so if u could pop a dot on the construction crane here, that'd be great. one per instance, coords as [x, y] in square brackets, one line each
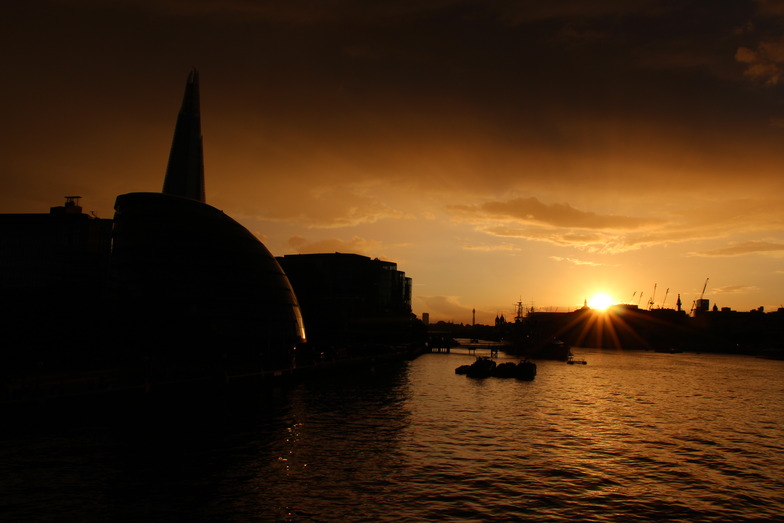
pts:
[694, 303]
[650, 302]
[665, 297]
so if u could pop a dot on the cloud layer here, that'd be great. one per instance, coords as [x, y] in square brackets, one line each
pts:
[454, 135]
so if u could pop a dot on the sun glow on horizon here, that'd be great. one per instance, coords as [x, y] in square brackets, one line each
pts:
[600, 301]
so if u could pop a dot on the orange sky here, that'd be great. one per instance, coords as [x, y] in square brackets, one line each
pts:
[496, 150]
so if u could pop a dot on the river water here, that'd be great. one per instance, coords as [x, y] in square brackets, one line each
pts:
[631, 436]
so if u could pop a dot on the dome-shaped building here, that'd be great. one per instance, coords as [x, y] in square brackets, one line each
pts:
[194, 290]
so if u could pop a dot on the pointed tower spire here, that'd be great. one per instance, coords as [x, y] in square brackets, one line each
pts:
[185, 171]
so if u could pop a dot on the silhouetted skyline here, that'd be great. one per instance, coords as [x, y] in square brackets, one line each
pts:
[495, 151]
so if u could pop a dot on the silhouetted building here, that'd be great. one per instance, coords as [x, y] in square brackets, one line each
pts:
[701, 305]
[185, 170]
[626, 326]
[190, 282]
[53, 270]
[620, 326]
[172, 292]
[349, 298]
[745, 332]
[49, 255]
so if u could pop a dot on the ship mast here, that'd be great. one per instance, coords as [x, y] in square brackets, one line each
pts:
[519, 313]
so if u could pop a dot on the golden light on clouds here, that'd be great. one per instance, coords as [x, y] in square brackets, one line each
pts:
[499, 150]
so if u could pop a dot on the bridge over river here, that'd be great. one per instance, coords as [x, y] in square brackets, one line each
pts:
[446, 344]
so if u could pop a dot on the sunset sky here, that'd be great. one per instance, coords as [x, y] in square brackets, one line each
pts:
[496, 150]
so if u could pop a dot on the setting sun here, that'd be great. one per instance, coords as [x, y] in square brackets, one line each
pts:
[600, 301]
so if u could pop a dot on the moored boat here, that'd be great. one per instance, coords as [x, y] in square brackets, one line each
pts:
[485, 367]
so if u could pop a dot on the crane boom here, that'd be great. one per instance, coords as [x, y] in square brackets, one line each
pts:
[704, 287]
[694, 303]
[651, 301]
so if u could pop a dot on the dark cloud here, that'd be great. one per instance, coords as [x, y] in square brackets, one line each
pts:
[733, 289]
[492, 248]
[765, 64]
[532, 211]
[474, 91]
[770, 7]
[742, 249]
[593, 241]
[330, 207]
[562, 224]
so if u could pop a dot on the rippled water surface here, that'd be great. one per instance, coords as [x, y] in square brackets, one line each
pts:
[630, 436]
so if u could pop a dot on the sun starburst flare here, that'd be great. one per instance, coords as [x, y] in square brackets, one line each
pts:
[600, 301]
